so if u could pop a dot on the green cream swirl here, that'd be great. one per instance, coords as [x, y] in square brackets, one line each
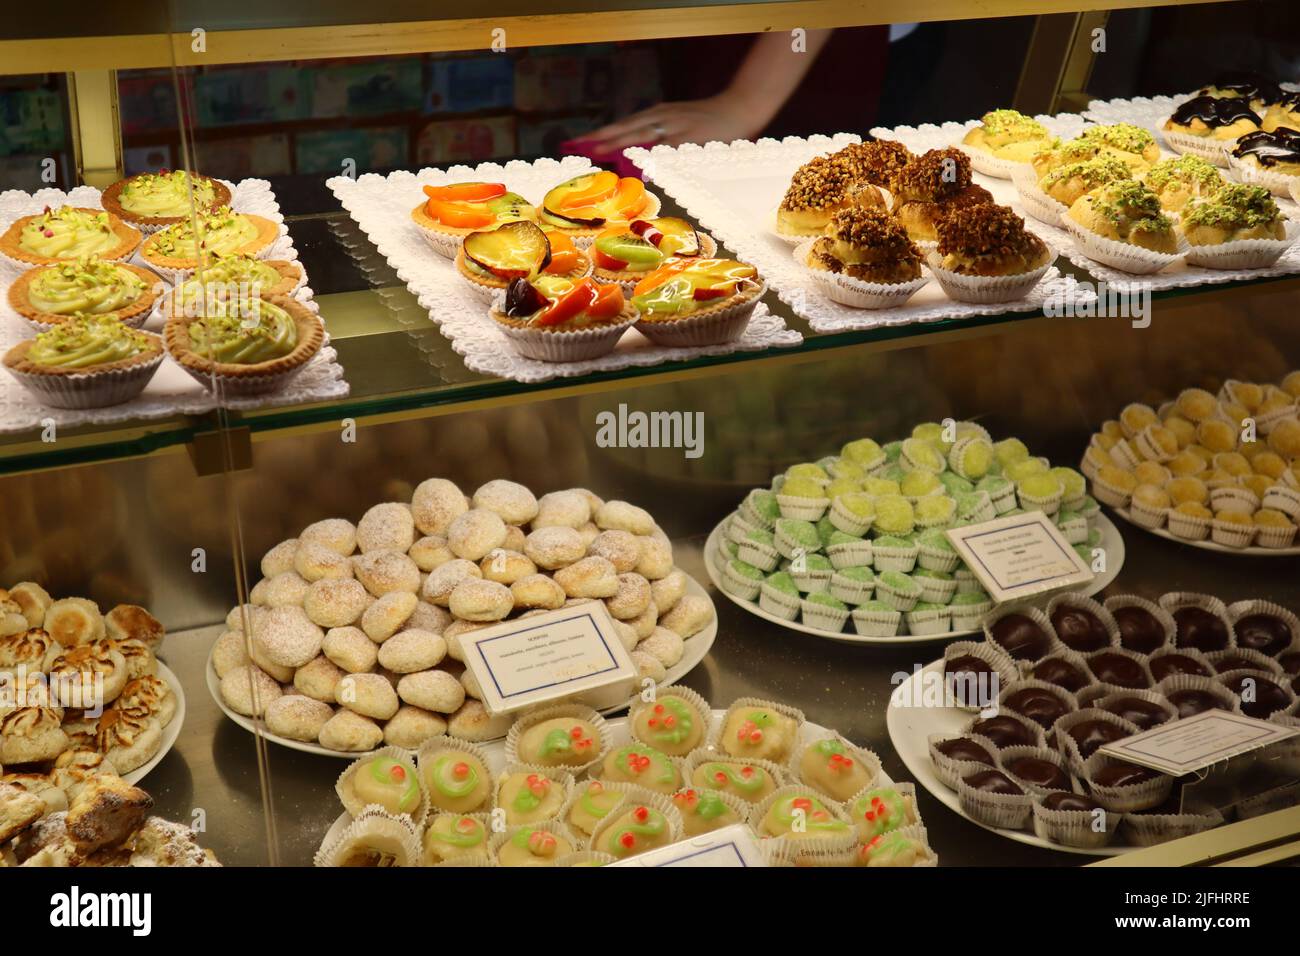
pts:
[90, 285]
[267, 332]
[68, 233]
[85, 342]
[165, 194]
[220, 232]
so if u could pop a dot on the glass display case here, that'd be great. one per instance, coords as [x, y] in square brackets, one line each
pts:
[701, 334]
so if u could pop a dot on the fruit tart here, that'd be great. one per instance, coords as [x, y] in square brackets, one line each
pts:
[818, 190]
[245, 346]
[695, 302]
[68, 233]
[1122, 225]
[236, 276]
[865, 260]
[551, 319]
[985, 254]
[1235, 213]
[220, 231]
[934, 185]
[153, 201]
[490, 260]
[586, 205]
[452, 212]
[86, 362]
[627, 253]
[1176, 181]
[1207, 126]
[1005, 137]
[48, 295]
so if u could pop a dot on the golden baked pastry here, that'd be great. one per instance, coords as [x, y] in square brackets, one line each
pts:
[68, 233]
[1128, 212]
[87, 286]
[989, 240]
[1175, 181]
[1234, 212]
[1009, 135]
[219, 232]
[874, 161]
[818, 190]
[1067, 183]
[932, 186]
[1211, 117]
[867, 244]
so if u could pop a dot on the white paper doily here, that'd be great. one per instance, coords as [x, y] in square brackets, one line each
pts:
[171, 391]
[381, 206]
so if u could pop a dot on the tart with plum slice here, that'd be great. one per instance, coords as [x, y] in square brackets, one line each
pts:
[586, 205]
[68, 233]
[451, 212]
[48, 295]
[552, 319]
[627, 253]
[697, 302]
[491, 259]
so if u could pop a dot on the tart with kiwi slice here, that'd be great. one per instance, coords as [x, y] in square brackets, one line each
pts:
[245, 347]
[235, 276]
[626, 254]
[551, 319]
[153, 201]
[86, 361]
[489, 260]
[697, 302]
[49, 295]
[452, 211]
[68, 233]
[217, 232]
[585, 206]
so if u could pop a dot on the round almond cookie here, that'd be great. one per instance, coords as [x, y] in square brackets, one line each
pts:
[280, 558]
[663, 644]
[383, 572]
[688, 616]
[506, 567]
[430, 552]
[648, 667]
[235, 619]
[386, 616]
[351, 650]
[434, 690]
[621, 548]
[149, 696]
[412, 726]
[627, 635]
[668, 590]
[632, 598]
[429, 617]
[350, 732]
[410, 651]
[537, 591]
[478, 600]
[511, 500]
[336, 602]
[248, 690]
[386, 527]
[473, 722]
[318, 679]
[314, 561]
[476, 533]
[435, 504]
[125, 622]
[514, 538]
[33, 600]
[656, 560]
[127, 739]
[337, 534]
[87, 675]
[140, 660]
[73, 621]
[443, 580]
[562, 509]
[286, 589]
[452, 636]
[277, 672]
[593, 577]
[622, 516]
[229, 652]
[297, 717]
[370, 695]
[554, 547]
[645, 622]
[288, 637]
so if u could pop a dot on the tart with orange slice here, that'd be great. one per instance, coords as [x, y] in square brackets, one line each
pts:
[587, 205]
[489, 260]
[552, 319]
[695, 302]
[626, 254]
[451, 212]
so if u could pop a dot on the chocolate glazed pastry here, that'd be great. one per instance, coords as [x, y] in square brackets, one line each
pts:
[1259, 697]
[1063, 674]
[1122, 774]
[1062, 800]
[1269, 149]
[1003, 731]
[1191, 702]
[1167, 665]
[1019, 636]
[1091, 735]
[1249, 84]
[1144, 713]
[1111, 668]
[1214, 111]
[1039, 705]
[963, 748]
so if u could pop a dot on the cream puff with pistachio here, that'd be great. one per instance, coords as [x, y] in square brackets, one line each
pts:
[1067, 183]
[1233, 213]
[1009, 135]
[1126, 211]
[1177, 181]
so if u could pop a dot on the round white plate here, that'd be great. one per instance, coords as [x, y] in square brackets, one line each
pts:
[619, 735]
[170, 733]
[695, 649]
[909, 731]
[1207, 544]
[1111, 542]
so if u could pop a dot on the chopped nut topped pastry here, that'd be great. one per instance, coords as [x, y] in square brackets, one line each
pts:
[867, 244]
[1175, 181]
[1126, 211]
[989, 240]
[873, 162]
[1008, 134]
[932, 186]
[818, 190]
[1067, 183]
[1234, 212]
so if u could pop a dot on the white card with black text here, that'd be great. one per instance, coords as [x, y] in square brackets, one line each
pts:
[1019, 556]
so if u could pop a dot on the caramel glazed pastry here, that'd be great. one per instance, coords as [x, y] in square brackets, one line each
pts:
[866, 244]
[84, 814]
[930, 188]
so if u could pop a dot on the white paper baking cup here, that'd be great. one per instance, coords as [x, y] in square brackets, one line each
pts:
[1279, 184]
[564, 345]
[397, 830]
[89, 389]
[987, 289]
[1243, 253]
[1073, 827]
[1148, 829]
[1123, 256]
[1207, 147]
[775, 230]
[712, 328]
[950, 770]
[1036, 202]
[982, 161]
[857, 293]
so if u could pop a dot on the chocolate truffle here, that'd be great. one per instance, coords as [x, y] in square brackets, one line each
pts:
[970, 680]
[1145, 713]
[1139, 629]
[1091, 735]
[1168, 665]
[1020, 637]
[1079, 629]
[1233, 662]
[1266, 633]
[993, 781]
[1259, 696]
[1111, 668]
[1003, 731]
[1062, 800]
[1191, 702]
[1290, 662]
[1039, 773]
[1201, 629]
[1120, 774]
[963, 748]
[1054, 670]
[1039, 705]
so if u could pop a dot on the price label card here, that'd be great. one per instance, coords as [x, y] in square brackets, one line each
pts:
[1019, 556]
[533, 660]
[732, 845]
[1194, 743]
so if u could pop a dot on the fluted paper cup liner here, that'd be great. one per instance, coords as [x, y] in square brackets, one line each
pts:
[1284, 683]
[398, 835]
[584, 858]
[1099, 611]
[566, 345]
[987, 289]
[1036, 202]
[551, 712]
[1066, 744]
[1211, 150]
[475, 857]
[1074, 827]
[1067, 698]
[1034, 614]
[89, 389]
[1008, 754]
[1279, 184]
[948, 769]
[1005, 811]
[1240, 609]
[982, 161]
[1166, 620]
[1211, 685]
[1136, 796]
[710, 327]
[857, 293]
[1258, 661]
[1148, 829]
[990, 654]
[355, 805]
[1171, 601]
[1123, 256]
[1243, 253]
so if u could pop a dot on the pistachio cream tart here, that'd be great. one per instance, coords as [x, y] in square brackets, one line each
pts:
[245, 346]
[48, 295]
[236, 276]
[86, 362]
[68, 233]
[152, 201]
[218, 232]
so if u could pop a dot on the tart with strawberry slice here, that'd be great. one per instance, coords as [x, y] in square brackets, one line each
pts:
[626, 254]
[451, 212]
[490, 260]
[695, 302]
[587, 205]
[66, 234]
[552, 319]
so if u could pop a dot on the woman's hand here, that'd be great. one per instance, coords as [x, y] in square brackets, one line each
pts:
[721, 117]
